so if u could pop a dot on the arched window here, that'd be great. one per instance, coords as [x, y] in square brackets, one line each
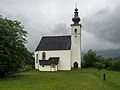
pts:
[43, 56]
[75, 31]
[75, 65]
[36, 58]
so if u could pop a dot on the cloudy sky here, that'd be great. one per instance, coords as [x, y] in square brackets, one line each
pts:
[100, 20]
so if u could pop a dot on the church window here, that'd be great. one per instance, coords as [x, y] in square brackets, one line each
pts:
[43, 56]
[75, 31]
[36, 58]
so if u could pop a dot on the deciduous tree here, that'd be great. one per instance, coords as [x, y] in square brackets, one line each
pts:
[13, 52]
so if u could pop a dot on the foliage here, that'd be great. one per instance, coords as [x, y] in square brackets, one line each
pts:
[82, 64]
[112, 65]
[26, 68]
[108, 62]
[116, 65]
[91, 57]
[13, 52]
[29, 59]
[99, 65]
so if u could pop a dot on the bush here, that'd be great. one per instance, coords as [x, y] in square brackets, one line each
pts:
[26, 68]
[91, 59]
[112, 65]
[82, 64]
[99, 66]
[116, 65]
[108, 63]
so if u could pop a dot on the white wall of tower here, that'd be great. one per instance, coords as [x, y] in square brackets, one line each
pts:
[76, 45]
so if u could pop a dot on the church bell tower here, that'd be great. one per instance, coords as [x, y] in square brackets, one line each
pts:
[76, 41]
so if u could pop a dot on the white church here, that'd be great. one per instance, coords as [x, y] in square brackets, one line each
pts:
[60, 52]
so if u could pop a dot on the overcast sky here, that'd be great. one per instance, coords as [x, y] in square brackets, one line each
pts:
[100, 20]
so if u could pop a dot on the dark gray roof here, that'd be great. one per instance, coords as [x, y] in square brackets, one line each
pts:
[54, 43]
[51, 60]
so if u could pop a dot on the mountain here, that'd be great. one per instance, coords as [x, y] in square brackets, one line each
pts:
[114, 53]
[109, 53]
[117, 58]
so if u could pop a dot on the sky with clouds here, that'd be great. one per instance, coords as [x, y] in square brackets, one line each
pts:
[100, 20]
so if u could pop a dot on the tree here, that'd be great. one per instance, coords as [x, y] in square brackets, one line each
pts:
[13, 52]
[90, 58]
[112, 65]
[108, 63]
[116, 65]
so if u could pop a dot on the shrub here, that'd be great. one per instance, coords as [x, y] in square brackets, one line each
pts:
[99, 66]
[26, 68]
[116, 65]
[108, 63]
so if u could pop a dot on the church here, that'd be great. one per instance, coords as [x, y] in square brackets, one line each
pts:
[60, 52]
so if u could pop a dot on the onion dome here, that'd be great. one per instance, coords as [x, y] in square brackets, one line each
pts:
[76, 19]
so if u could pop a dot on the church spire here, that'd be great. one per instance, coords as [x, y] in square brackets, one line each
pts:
[76, 18]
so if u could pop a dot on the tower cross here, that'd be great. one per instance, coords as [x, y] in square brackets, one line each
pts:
[75, 4]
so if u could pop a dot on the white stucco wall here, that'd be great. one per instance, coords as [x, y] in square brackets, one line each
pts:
[45, 68]
[76, 45]
[64, 58]
[36, 64]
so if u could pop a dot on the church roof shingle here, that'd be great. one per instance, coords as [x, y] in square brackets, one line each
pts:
[54, 43]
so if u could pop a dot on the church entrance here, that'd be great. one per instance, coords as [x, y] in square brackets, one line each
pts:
[75, 65]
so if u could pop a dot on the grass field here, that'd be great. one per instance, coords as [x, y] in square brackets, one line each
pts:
[85, 79]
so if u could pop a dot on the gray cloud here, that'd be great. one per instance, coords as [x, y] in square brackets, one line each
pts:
[61, 29]
[100, 20]
[104, 24]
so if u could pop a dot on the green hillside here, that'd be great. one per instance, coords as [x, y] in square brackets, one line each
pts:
[85, 79]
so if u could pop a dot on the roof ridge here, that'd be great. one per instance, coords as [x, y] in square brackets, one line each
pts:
[57, 36]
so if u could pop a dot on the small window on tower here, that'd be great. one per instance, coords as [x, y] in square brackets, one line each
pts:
[75, 31]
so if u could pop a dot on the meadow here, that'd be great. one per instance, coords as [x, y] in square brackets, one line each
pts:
[85, 79]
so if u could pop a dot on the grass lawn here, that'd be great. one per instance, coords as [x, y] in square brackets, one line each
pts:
[85, 79]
